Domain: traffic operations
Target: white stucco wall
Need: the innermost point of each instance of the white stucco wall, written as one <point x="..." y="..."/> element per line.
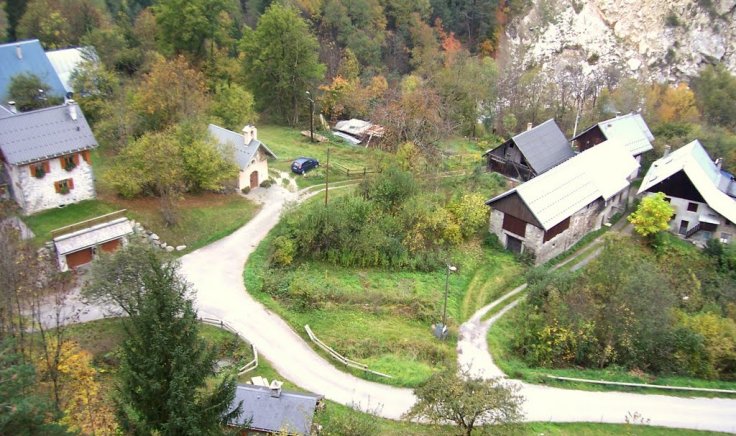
<point x="693" y="218"/>
<point x="260" y="165"/>
<point x="34" y="194"/>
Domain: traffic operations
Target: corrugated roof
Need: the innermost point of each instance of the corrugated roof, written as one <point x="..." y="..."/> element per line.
<point x="291" y="411"/>
<point x="33" y="60"/>
<point x="65" y="62"/>
<point x="93" y="236"/>
<point x="599" y="172"/>
<point x="702" y="172"/>
<point x="630" y="129"/>
<point x="243" y="154"/>
<point x="544" y="146"/>
<point x="45" y="133"/>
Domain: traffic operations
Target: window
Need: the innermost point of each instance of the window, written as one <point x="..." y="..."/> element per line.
<point x="692" y="207"/>
<point x="725" y="238"/>
<point x="69" y="162"/>
<point x="668" y="199"/>
<point x="64" y="186"/>
<point x="514" y="225"/>
<point x="39" y="169"/>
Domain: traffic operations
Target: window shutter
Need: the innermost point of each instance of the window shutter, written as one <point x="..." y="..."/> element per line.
<point x="46" y="167"/>
<point x="86" y="156"/>
<point x="75" y="158"/>
<point x="70" y="183"/>
<point x="57" y="187"/>
<point x="32" y="167"/>
<point x="61" y="163"/>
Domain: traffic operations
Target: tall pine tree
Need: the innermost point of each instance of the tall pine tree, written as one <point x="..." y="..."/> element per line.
<point x="166" y="365"/>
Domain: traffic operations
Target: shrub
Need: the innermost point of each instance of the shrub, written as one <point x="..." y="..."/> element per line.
<point x="266" y="183"/>
<point x="245" y="190"/>
<point x="284" y="250"/>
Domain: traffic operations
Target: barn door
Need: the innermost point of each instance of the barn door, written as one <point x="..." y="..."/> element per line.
<point x="254" y="179"/>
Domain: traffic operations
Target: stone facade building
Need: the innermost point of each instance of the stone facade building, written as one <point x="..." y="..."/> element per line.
<point x="548" y="214"/>
<point x="703" y="195"/>
<point x="46" y="157"/>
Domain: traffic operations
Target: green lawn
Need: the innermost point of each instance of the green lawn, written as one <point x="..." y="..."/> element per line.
<point x="202" y="218"/>
<point x="500" y="343"/>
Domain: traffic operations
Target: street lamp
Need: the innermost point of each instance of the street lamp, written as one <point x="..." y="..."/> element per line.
<point x="440" y="330"/>
<point x="311" y="116"/>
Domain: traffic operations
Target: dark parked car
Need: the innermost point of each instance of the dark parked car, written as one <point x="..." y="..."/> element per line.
<point x="304" y="164"/>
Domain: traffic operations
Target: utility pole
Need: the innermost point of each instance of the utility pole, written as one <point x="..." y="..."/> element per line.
<point x="311" y="116"/>
<point x="327" y="176"/>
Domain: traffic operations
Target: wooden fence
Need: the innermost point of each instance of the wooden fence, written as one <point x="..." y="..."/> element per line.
<point x="250" y="366"/>
<point x="340" y="358"/>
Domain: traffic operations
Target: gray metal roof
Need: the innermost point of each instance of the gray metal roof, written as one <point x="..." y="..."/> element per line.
<point x="27" y="57"/>
<point x="44" y="133"/>
<point x="291" y="411"/>
<point x="93" y="236"/>
<point x="702" y="172"/>
<point x="600" y="172"/>
<point x="243" y="153"/>
<point x="543" y="146"/>
<point x="630" y="129"/>
<point x="67" y="60"/>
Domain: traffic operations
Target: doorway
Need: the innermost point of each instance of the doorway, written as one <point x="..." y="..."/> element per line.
<point x="683" y="227"/>
<point x="513" y="244"/>
<point x="254" y="179"/>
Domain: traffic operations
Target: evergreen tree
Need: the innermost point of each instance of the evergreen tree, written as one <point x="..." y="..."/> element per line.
<point x="166" y="365"/>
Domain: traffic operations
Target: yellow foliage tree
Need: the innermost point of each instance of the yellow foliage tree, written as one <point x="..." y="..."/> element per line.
<point x="677" y="104"/>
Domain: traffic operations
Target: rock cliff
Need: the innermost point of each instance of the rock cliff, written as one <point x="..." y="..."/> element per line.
<point x="663" y="40"/>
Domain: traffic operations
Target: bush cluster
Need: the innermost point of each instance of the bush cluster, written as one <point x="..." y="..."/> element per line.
<point x="665" y="311"/>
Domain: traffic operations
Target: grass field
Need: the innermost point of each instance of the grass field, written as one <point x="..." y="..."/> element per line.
<point x="202" y="218"/>
<point x="500" y="343"/>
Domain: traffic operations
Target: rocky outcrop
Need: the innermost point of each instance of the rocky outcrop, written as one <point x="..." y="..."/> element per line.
<point x="664" y="41"/>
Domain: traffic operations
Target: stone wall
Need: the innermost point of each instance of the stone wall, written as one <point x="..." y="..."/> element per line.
<point x="36" y="194"/>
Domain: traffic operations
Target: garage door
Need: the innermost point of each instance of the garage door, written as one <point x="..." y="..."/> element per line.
<point x="79" y="258"/>
<point x="110" y="246"/>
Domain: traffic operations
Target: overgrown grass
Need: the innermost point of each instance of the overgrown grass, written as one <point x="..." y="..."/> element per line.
<point x="501" y="340"/>
<point x="44" y="222"/>
<point x="202" y="218"/>
<point x="383" y="318"/>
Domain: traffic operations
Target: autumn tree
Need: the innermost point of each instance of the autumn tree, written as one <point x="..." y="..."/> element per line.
<point x="676" y="104"/>
<point x="652" y="216"/>
<point x="25" y="413"/>
<point x="171" y="92"/>
<point x="60" y="23"/>
<point x="3" y="22"/>
<point x="468" y="401"/>
<point x="281" y="62"/>
<point x="29" y="92"/>
<point x="95" y="87"/>
<point x="166" y="368"/>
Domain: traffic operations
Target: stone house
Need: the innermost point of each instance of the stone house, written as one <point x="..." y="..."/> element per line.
<point x="78" y="244"/>
<point x="548" y="214"/>
<point x="703" y="195"/>
<point x="530" y="153"/>
<point x="251" y="155"/>
<point x="630" y="130"/>
<point x="46" y="157"/>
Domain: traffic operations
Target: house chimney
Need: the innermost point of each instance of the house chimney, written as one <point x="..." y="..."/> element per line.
<point x="247" y="134"/>
<point x="275" y="388"/>
<point x="72" y="108"/>
<point x="529" y="126"/>
<point x="19" y="52"/>
<point x="719" y="163"/>
<point x="11" y="106"/>
<point x="667" y="150"/>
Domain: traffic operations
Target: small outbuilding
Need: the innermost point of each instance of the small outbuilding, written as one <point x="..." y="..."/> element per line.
<point x="77" y="245"/>
<point x="251" y="155"/>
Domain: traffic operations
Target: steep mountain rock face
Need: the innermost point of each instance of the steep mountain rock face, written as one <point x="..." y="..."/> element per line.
<point x="663" y="40"/>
